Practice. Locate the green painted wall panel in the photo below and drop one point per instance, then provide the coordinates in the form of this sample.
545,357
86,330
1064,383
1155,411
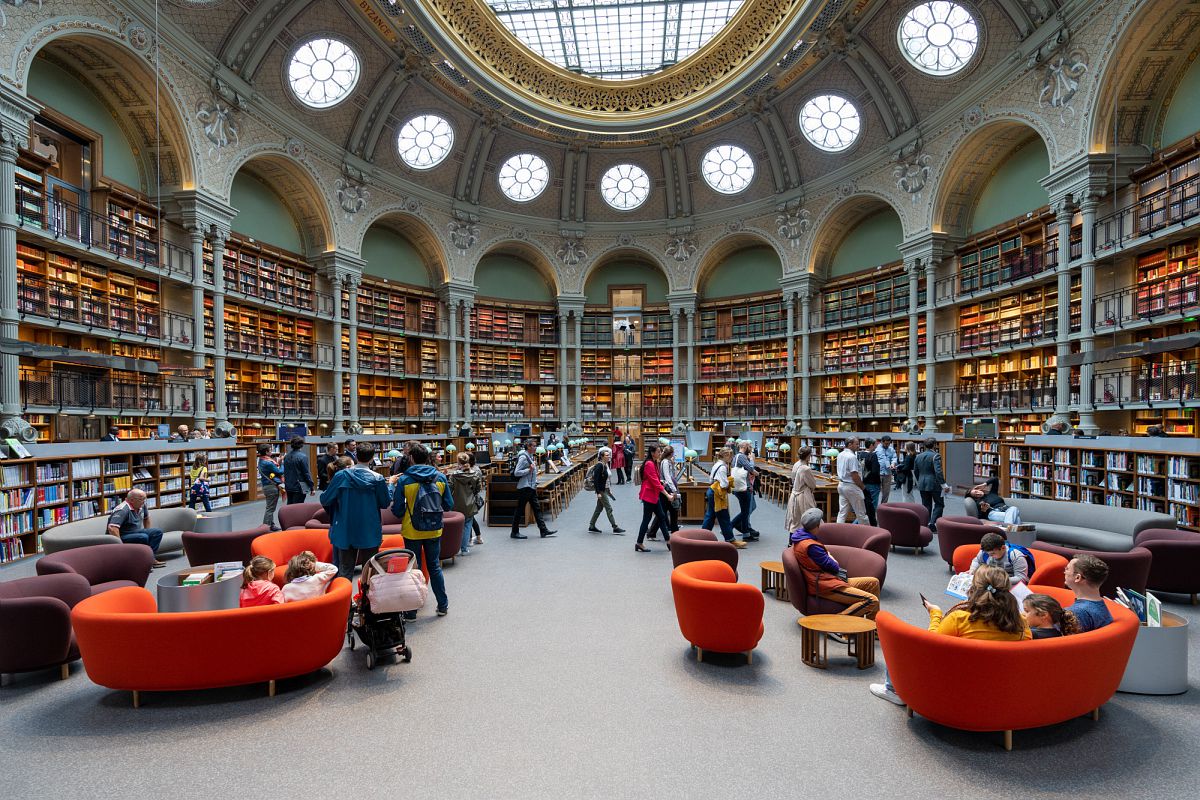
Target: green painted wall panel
626,273
262,214
1014,188
750,271
1183,117
871,242
57,89
389,255
511,278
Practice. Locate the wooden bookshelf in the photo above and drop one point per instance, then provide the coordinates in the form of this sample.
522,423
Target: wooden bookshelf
531,325
748,399
870,345
742,319
739,361
1007,253
254,331
499,401
1168,280
266,390
379,352
1170,176
879,392
132,230
266,274
382,396
880,292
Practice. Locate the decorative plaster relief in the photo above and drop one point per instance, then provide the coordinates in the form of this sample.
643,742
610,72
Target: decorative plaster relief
912,174
464,234
681,248
793,224
1060,82
571,252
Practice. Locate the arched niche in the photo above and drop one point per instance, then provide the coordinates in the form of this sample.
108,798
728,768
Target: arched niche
389,254
279,202
625,270
1183,112
99,83
511,273
863,232
262,214
751,269
993,176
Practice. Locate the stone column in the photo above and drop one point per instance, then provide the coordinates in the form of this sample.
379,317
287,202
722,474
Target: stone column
12,137
1063,215
562,368
930,333
198,349
218,237
339,371
789,302
578,347
452,338
1087,372
468,310
914,350
805,363
352,284
676,367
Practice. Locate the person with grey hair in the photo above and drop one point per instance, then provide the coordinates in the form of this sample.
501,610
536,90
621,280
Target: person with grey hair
130,522
825,578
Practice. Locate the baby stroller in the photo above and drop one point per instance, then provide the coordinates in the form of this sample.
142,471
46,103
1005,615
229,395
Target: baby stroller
381,628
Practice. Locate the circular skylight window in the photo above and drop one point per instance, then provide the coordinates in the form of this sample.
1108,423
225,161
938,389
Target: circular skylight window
728,168
523,177
830,122
938,37
625,187
424,141
323,72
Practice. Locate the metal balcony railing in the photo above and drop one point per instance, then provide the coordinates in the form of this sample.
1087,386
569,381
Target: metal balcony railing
1171,294
879,403
1148,214
1178,383
117,392
1001,396
742,410
279,404
1010,267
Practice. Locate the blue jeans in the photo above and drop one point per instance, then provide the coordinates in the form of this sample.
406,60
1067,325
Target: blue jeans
432,548
872,491
745,505
147,536
466,542
720,517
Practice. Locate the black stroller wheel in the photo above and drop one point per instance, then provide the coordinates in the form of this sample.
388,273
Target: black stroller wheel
370,659
407,654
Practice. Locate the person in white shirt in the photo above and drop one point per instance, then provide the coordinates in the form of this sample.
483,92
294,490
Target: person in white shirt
887,463
851,495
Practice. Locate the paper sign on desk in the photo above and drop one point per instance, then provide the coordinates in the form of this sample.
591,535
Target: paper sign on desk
18,448
1153,611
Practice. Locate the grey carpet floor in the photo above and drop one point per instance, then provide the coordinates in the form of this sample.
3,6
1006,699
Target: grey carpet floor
560,672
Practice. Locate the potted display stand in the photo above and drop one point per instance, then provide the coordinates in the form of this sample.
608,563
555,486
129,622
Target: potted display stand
1159,661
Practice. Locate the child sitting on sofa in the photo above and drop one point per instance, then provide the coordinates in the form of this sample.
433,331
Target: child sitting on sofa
1084,576
306,577
257,587
994,550
1047,618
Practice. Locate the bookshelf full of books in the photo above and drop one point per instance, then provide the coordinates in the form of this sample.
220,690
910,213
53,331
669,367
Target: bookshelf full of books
264,273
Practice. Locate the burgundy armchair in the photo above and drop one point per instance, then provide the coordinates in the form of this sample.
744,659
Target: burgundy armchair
1176,564
452,533
210,548
697,544
904,526
921,511
104,567
1129,570
952,534
35,621
857,562
295,515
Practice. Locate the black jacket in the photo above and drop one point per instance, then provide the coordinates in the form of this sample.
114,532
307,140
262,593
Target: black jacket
297,476
323,462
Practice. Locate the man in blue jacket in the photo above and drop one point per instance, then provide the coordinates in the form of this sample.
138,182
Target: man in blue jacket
353,500
422,524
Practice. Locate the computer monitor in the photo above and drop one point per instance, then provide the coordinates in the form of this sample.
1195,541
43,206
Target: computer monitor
679,445
164,430
284,431
519,430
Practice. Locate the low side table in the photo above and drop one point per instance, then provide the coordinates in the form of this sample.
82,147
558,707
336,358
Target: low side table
213,522
773,579
1159,661
814,642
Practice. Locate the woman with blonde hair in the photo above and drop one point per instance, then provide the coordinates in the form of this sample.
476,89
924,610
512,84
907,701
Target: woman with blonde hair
804,490
716,499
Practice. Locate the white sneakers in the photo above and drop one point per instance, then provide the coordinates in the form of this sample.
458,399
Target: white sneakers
881,690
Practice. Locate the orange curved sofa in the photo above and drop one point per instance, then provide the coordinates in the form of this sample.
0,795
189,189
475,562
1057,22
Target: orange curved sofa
715,611
1049,569
280,546
933,673
126,645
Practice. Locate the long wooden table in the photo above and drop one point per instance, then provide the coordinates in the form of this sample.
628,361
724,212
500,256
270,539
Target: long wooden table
692,509
501,489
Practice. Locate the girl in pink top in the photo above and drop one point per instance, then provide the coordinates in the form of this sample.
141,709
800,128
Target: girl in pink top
652,494
258,589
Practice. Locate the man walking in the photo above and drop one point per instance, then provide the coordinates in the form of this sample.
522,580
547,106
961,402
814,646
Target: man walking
422,495
323,461
851,494
297,475
526,472
930,481
887,464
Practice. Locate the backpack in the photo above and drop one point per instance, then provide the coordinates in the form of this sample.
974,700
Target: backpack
516,463
1023,550
426,514
589,480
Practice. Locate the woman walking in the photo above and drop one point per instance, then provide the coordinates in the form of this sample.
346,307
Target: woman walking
804,490
651,495
667,470
618,459
466,485
716,499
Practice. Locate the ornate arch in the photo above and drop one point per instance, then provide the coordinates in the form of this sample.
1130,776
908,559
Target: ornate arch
1151,44
970,162
720,248
400,218
526,250
619,250
298,185
838,219
115,62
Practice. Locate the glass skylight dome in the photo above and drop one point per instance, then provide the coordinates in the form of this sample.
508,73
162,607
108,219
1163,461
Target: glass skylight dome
614,39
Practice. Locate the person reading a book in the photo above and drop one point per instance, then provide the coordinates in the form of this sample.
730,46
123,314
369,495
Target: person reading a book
1046,618
1085,574
258,586
825,578
991,506
990,613
306,577
995,551
130,522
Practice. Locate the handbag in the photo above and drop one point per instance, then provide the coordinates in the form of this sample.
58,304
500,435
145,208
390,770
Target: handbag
391,592
739,475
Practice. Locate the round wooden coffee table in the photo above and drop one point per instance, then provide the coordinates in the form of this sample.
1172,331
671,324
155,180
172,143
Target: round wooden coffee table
773,579
860,633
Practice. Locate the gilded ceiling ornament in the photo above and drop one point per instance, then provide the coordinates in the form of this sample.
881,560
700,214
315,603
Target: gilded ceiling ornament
912,174
1060,81
571,252
793,224
681,248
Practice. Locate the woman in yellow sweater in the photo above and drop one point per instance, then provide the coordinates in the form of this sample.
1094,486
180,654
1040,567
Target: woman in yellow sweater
990,612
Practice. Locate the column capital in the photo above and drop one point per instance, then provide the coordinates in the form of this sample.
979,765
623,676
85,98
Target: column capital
341,265
453,292
799,284
16,112
1085,176
568,304
684,301
201,210
927,249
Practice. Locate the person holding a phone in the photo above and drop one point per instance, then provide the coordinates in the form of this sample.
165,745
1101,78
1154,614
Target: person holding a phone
825,578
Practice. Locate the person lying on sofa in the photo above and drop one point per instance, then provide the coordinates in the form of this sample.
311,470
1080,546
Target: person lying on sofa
991,505
130,522
995,551
1084,576
990,613
824,577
